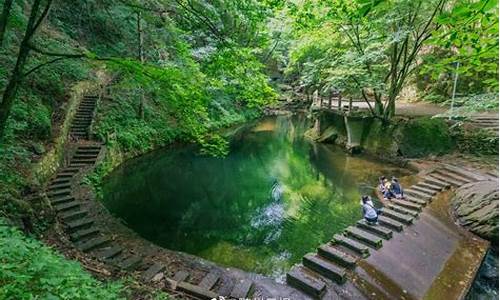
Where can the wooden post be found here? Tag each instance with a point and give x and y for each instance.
(350, 104)
(340, 102)
(330, 100)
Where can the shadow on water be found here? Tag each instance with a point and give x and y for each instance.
(275, 197)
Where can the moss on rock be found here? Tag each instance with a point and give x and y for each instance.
(424, 136)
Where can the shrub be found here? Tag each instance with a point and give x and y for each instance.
(30, 270)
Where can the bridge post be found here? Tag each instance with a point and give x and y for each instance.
(350, 104)
(340, 103)
(330, 100)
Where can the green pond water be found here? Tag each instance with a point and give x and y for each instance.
(275, 197)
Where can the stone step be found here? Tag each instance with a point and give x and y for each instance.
(73, 226)
(67, 206)
(65, 175)
(59, 186)
(453, 175)
(450, 181)
(364, 236)
(70, 169)
(85, 156)
(406, 219)
(424, 190)
(376, 229)
(89, 147)
(430, 186)
(92, 244)
(196, 291)
(81, 165)
(180, 276)
(407, 204)
(94, 152)
(83, 234)
(417, 194)
(60, 180)
(79, 131)
(62, 200)
(55, 193)
(417, 201)
(209, 281)
(130, 262)
(82, 161)
(402, 210)
(465, 174)
(351, 244)
(306, 281)
(335, 255)
(152, 271)
(324, 267)
(109, 252)
(390, 223)
(242, 289)
(73, 215)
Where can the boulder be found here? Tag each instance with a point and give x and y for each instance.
(475, 206)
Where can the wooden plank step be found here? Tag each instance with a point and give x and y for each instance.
(324, 267)
(209, 281)
(434, 181)
(306, 281)
(180, 276)
(417, 194)
(89, 147)
(73, 226)
(92, 244)
(62, 200)
(242, 289)
(65, 175)
(390, 223)
(84, 233)
(407, 204)
(335, 255)
(424, 190)
(73, 215)
(364, 236)
(67, 206)
(430, 186)
(406, 219)
(152, 271)
(416, 200)
(69, 169)
(377, 229)
(351, 244)
(130, 262)
(439, 177)
(402, 210)
(81, 165)
(196, 291)
(109, 252)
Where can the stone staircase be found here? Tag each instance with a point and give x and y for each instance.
(335, 260)
(82, 120)
(73, 213)
(488, 123)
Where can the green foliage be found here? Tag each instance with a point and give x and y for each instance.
(479, 142)
(424, 136)
(29, 270)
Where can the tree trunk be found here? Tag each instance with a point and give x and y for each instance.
(3, 19)
(9, 94)
(140, 42)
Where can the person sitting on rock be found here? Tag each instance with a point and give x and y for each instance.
(381, 186)
(396, 188)
(370, 213)
(388, 190)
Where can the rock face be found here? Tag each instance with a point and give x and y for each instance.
(476, 207)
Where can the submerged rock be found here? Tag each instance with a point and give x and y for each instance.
(476, 207)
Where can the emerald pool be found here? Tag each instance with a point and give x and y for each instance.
(275, 197)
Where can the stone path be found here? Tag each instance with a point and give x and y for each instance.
(73, 213)
(489, 123)
(335, 261)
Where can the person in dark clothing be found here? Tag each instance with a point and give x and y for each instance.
(396, 188)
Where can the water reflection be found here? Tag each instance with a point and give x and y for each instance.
(275, 197)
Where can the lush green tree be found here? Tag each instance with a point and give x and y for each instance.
(365, 48)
